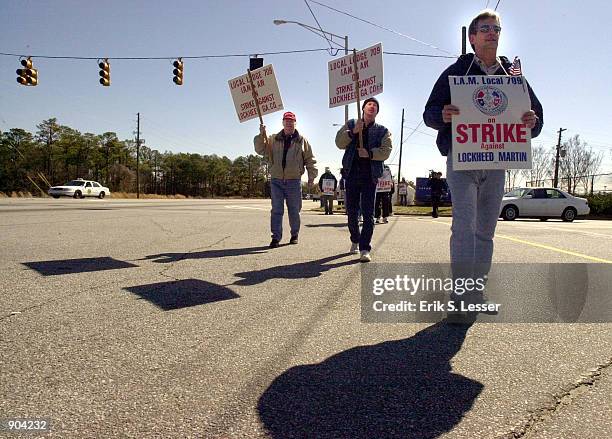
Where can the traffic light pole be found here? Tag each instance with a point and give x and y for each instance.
(138, 156)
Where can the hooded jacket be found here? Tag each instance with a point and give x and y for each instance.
(379, 147)
(299, 156)
(441, 96)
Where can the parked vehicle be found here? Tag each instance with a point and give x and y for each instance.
(542, 203)
(80, 188)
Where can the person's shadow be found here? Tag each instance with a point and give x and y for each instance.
(396, 389)
(301, 270)
(335, 225)
(206, 254)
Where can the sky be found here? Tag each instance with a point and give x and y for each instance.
(564, 47)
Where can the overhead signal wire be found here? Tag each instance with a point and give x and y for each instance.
(382, 27)
(321, 29)
(142, 58)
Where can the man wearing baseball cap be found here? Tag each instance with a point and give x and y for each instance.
(361, 168)
(289, 155)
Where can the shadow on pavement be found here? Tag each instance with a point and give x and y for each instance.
(396, 389)
(344, 224)
(67, 266)
(207, 254)
(301, 270)
(182, 293)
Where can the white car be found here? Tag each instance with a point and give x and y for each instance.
(543, 203)
(79, 188)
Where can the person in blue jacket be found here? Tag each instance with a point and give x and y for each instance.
(477, 194)
(361, 168)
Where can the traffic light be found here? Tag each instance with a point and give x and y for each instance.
(178, 71)
(255, 63)
(104, 72)
(28, 75)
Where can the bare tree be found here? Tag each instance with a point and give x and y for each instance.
(579, 163)
(541, 167)
(511, 177)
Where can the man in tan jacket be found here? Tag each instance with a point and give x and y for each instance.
(289, 154)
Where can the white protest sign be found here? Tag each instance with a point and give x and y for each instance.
(488, 132)
(328, 186)
(267, 91)
(402, 189)
(342, 76)
(385, 182)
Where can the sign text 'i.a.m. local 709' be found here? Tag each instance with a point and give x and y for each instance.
(342, 90)
(267, 91)
(488, 132)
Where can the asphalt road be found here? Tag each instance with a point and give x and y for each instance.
(172, 318)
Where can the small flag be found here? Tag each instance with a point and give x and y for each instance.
(515, 68)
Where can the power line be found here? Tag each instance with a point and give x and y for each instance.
(382, 27)
(321, 29)
(413, 131)
(498, 1)
(140, 58)
(419, 54)
(144, 58)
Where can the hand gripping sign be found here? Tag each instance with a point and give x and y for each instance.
(488, 132)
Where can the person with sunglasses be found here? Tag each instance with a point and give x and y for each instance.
(476, 194)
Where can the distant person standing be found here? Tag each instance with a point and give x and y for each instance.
(384, 190)
(289, 155)
(327, 186)
(402, 190)
(362, 167)
(342, 192)
(437, 186)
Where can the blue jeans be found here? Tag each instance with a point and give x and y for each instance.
(360, 193)
(291, 192)
(476, 197)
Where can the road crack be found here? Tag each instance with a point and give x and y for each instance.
(562, 398)
(183, 255)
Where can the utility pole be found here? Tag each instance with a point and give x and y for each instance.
(556, 179)
(138, 156)
(49, 142)
(155, 185)
(463, 41)
(399, 170)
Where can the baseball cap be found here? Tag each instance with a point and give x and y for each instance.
(289, 115)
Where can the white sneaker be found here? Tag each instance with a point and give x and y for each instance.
(365, 256)
(354, 248)
(377, 221)
(385, 220)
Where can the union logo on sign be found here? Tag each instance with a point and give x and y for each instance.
(490, 100)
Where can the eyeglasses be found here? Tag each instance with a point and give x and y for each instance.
(486, 28)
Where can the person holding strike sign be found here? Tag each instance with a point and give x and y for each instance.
(289, 154)
(476, 193)
(362, 166)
